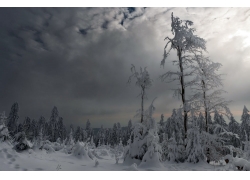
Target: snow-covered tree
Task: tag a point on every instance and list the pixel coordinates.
(40, 139)
(201, 122)
(246, 147)
(207, 83)
(20, 142)
(234, 126)
(184, 42)
(20, 127)
(220, 124)
(84, 135)
(119, 132)
(53, 126)
(101, 135)
(78, 134)
(13, 119)
(194, 145)
(144, 82)
(175, 124)
(4, 132)
(143, 134)
(172, 149)
(245, 125)
(61, 129)
(161, 128)
(26, 127)
(114, 140)
(212, 145)
(164, 147)
(33, 130)
(88, 128)
(128, 132)
(41, 124)
(70, 142)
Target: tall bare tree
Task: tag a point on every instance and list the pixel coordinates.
(144, 82)
(184, 43)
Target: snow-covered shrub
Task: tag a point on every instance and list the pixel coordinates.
(57, 146)
(48, 148)
(212, 146)
(20, 142)
(81, 151)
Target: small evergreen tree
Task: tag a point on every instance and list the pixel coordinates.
(245, 122)
(13, 119)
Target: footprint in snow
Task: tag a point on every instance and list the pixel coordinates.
(9, 156)
(17, 166)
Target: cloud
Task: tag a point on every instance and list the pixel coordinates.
(79, 59)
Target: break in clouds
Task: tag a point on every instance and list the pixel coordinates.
(79, 59)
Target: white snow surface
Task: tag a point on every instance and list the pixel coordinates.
(42, 160)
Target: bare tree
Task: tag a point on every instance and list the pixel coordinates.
(207, 84)
(143, 81)
(184, 42)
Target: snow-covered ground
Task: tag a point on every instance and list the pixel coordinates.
(40, 160)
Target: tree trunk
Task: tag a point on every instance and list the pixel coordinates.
(142, 99)
(205, 105)
(182, 92)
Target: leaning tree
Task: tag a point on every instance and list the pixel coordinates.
(184, 42)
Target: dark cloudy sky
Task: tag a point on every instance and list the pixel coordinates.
(79, 59)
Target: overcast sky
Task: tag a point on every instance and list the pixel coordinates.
(79, 59)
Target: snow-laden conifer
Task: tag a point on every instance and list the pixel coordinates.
(13, 119)
(194, 145)
(245, 124)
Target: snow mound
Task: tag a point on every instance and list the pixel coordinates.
(81, 152)
(91, 155)
(48, 148)
(241, 164)
(57, 147)
(96, 155)
(129, 161)
(133, 167)
(151, 161)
